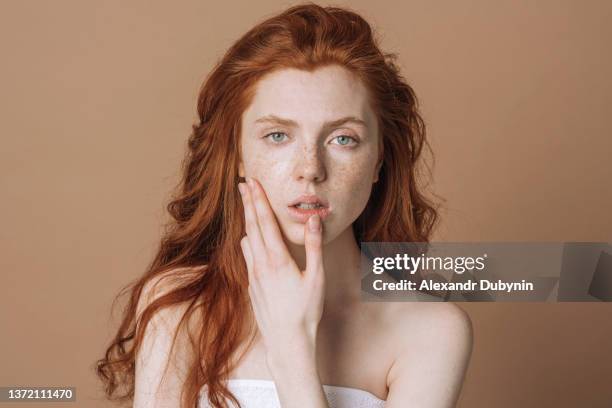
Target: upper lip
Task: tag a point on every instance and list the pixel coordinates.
(309, 199)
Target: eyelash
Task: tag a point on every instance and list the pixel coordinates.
(268, 136)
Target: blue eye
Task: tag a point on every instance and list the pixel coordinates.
(276, 137)
(344, 140)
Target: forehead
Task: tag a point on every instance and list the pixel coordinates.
(324, 94)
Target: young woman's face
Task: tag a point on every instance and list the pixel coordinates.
(311, 137)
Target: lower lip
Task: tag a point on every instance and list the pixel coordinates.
(302, 215)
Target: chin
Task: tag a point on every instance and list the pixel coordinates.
(296, 241)
(294, 234)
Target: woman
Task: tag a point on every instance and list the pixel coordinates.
(308, 143)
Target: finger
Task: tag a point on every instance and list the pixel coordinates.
(248, 256)
(268, 224)
(252, 274)
(256, 244)
(313, 241)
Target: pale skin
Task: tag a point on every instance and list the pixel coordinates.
(313, 327)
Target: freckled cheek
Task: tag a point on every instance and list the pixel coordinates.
(355, 184)
(272, 174)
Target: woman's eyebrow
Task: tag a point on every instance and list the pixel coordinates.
(291, 123)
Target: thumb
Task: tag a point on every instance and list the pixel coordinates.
(313, 241)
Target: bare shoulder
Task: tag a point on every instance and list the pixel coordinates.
(444, 320)
(162, 361)
(163, 283)
(166, 320)
(159, 286)
(433, 344)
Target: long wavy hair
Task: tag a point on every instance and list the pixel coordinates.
(206, 225)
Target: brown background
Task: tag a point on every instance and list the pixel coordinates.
(98, 99)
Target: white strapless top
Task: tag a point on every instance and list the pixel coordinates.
(262, 394)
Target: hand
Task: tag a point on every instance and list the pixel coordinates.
(287, 302)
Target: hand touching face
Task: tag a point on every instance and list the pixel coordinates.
(311, 140)
(287, 302)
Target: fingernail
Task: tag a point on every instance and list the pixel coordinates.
(241, 188)
(314, 223)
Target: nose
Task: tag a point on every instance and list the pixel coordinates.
(310, 164)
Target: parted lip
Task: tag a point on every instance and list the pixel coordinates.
(309, 199)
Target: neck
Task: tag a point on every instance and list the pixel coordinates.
(341, 262)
